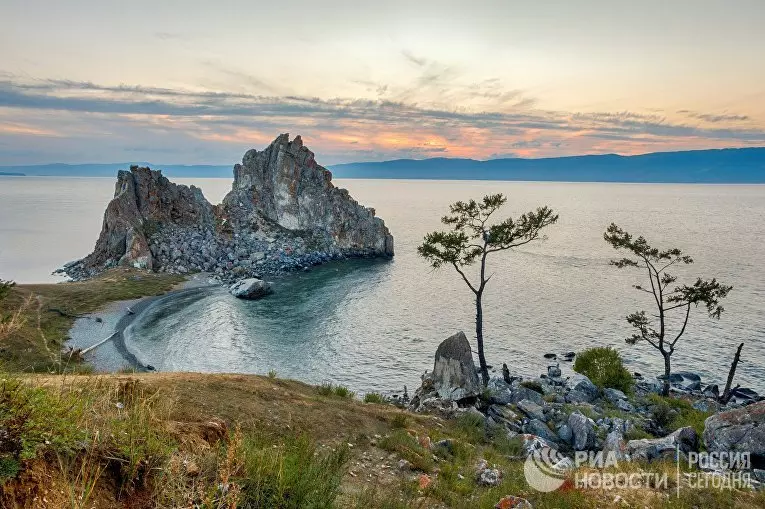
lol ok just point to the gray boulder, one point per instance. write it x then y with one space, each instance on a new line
500 392
584 390
615 444
739 430
520 393
250 289
539 428
454 373
618 399
531 409
565 434
582 430
661 448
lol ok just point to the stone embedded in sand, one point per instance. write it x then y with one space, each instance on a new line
250 289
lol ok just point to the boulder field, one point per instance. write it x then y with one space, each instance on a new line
282 214
571 415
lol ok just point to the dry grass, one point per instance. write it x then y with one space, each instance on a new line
39 317
219 441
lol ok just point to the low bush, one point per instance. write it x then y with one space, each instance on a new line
675 413
604 366
375 397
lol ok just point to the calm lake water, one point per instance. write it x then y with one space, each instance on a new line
375 325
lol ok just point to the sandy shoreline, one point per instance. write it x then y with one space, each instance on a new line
113 319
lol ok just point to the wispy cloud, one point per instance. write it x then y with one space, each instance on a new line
223 122
714 118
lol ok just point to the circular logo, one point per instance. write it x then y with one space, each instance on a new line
543 469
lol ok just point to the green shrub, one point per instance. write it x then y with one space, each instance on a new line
375 397
272 374
9 467
5 288
675 413
326 389
344 392
294 474
604 366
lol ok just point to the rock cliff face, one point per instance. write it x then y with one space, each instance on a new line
283 213
143 201
285 185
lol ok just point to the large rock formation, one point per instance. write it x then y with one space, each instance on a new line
144 201
285 185
283 213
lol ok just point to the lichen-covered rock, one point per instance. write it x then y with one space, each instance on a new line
143 200
282 214
739 430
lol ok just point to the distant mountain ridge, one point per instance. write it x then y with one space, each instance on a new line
730 166
744 165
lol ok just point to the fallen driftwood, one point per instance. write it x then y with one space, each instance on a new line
86 350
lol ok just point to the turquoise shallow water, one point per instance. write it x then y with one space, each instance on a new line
376 324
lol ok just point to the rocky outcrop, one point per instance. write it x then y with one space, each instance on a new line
740 430
283 213
143 201
283 184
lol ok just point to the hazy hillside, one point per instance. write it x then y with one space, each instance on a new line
720 166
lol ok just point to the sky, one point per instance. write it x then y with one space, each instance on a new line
200 82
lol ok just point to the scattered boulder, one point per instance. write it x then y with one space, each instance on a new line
739 430
539 428
618 399
584 391
553 371
520 393
582 430
454 374
250 289
660 448
531 409
500 391
487 476
615 444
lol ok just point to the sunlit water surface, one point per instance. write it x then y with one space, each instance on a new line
374 325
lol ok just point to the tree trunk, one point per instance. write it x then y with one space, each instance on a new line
667 373
479 338
726 393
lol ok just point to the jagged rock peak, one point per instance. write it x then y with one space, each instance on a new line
283 213
143 200
285 185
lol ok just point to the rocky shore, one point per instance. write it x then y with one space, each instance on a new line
282 214
570 415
